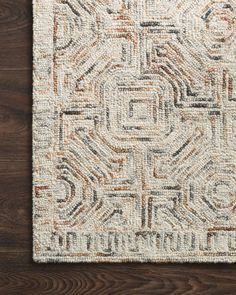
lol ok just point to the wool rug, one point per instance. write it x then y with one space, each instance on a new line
134 131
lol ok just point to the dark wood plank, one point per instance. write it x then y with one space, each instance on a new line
18 274
116 279
15 34
15 204
15 115
15 124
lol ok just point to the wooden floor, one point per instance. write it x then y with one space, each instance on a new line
18 274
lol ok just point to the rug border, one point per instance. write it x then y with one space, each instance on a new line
162 260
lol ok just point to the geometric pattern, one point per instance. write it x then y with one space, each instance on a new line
134 131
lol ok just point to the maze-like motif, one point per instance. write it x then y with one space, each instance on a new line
134 130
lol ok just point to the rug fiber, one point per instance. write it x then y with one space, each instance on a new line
134 131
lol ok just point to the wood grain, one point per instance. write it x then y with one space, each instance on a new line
18 274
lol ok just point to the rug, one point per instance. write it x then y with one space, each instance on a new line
134 131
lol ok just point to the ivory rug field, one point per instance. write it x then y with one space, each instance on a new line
134 131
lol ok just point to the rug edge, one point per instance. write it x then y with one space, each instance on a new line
164 259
